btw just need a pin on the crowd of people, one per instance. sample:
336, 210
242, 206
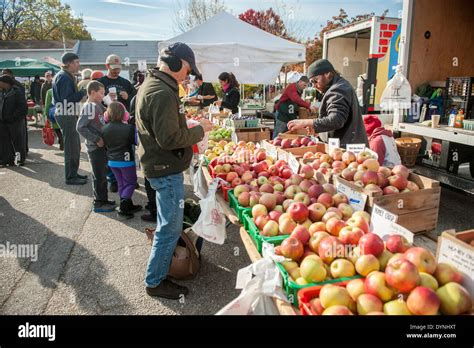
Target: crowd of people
122, 120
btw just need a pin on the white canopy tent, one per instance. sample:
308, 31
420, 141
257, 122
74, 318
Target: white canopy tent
226, 43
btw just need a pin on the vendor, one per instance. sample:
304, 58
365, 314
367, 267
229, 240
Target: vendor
206, 95
230, 88
287, 107
339, 115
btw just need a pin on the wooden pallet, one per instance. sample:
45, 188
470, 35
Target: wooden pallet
417, 211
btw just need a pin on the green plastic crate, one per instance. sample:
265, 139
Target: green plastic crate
257, 237
291, 288
234, 204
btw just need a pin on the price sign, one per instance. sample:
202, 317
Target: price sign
384, 224
293, 163
333, 143
355, 148
283, 155
402, 231
357, 199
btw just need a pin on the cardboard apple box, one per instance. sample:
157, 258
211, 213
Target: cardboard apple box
457, 249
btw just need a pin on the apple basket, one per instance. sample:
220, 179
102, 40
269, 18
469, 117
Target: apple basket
292, 289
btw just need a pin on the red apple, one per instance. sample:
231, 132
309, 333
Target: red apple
371, 164
348, 157
445, 273
348, 174
371, 243
244, 199
298, 211
346, 210
315, 239
368, 303
359, 221
397, 244
386, 172
287, 225
339, 198
423, 301
292, 248
296, 179
382, 181
330, 188
302, 198
350, 235
326, 199
286, 143
270, 229
390, 190
315, 191
334, 226
373, 189
401, 170
259, 210
330, 248
422, 259
307, 171
291, 191
412, 186
268, 200
274, 215
376, 284
339, 165
402, 275
305, 185
317, 227
369, 177
286, 173
301, 233
398, 181
268, 188
316, 306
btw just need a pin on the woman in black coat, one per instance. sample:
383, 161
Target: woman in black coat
230, 88
13, 110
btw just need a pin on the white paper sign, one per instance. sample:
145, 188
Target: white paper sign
283, 155
357, 199
293, 163
333, 143
384, 224
142, 65
460, 257
272, 151
355, 148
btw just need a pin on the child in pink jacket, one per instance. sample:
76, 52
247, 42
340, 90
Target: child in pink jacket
381, 141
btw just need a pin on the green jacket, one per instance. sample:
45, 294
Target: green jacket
165, 140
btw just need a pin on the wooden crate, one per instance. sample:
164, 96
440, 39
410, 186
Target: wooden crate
295, 134
253, 134
417, 211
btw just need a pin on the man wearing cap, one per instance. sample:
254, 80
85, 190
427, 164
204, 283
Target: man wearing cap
165, 152
66, 98
124, 90
339, 114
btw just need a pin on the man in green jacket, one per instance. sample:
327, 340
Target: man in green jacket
165, 151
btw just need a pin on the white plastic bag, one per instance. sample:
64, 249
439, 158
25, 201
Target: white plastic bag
257, 293
211, 222
199, 181
397, 92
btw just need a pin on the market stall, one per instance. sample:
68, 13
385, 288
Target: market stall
290, 200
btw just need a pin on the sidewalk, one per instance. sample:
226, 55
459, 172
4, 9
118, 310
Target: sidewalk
91, 263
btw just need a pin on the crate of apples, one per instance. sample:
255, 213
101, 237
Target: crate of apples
410, 283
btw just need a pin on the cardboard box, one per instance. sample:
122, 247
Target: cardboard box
457, 249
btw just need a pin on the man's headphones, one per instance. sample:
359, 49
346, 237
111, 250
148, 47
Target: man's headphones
175, 64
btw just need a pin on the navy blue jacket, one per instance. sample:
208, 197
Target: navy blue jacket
65, 90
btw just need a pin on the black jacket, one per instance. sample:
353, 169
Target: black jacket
207, 89
121, 84
119, 139
13, 106
340, 115
231, 100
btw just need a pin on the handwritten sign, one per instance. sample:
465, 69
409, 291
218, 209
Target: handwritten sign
357, 199
384, 224
333, 143
355, 148
293, 163
460, 255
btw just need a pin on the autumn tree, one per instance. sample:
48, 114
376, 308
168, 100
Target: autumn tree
267, 20
195, 12
40, 20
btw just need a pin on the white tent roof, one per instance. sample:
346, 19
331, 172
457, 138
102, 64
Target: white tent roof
226, 43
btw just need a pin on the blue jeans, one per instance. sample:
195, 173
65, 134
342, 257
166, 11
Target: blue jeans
170, 210
280, 127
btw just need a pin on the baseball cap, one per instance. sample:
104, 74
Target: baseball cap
114, 61
184, 52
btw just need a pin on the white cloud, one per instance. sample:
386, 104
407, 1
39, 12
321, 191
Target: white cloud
133, 4
108, 21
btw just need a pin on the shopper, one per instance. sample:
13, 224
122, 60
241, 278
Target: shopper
120, 138
90, 125
66, 98
35, 90
382, 142
165, 151
230, 88
13, 108
86, 78
286, 109
49, 111
206, 94
339, 115
124, 90
46, 86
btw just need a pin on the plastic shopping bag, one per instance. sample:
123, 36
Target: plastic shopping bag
48, 134
199, 181
397, 92
211, 222
257, 293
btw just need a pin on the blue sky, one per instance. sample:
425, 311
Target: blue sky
154, 19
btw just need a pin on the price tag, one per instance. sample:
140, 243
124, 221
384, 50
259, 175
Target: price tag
355, 148
142, 65
333, 143
357, 199
402, 231
293, 163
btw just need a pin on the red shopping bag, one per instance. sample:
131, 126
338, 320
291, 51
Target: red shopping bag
48, 134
